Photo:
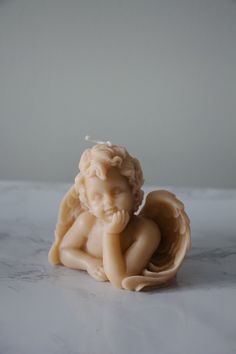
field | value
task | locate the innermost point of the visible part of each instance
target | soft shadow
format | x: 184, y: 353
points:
x: 206, y: 267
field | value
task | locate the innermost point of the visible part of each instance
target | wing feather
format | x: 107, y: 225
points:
x: 168, y: 213
x: 69, y: 210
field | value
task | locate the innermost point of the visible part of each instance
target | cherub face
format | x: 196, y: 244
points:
x: 106, y: 197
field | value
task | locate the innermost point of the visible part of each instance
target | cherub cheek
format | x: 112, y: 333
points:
x: 123, y: 200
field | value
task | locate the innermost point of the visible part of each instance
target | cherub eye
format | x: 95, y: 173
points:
x: 116, y: 191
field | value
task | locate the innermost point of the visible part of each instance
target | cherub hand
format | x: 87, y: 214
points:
x: 118, y: 222
x: 95, y: 269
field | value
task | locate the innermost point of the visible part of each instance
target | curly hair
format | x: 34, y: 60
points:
x: 97, y: 161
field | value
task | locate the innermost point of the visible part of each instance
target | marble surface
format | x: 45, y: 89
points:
x: 47, y: 309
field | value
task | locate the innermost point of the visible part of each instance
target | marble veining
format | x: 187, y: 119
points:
x: 59, y: 310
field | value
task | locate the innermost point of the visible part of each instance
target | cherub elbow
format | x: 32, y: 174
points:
x: 116, y: 280
x: 64, y: 254
x: 117, y: 284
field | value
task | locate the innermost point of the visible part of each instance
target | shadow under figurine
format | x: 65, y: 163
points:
x: 98, y: 230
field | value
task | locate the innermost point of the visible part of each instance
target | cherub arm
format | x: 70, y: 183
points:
x: 139, y: 253
x: 118, y: 266
x: 71, y: 253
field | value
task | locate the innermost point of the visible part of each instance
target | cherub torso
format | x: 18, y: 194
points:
x: 93, y: 246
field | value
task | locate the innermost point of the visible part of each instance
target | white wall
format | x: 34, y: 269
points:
x: 158, y: 77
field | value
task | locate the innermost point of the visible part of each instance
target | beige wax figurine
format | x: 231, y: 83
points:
x: 98, y: 230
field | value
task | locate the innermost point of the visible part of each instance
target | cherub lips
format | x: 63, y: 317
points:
x: 110, y: 211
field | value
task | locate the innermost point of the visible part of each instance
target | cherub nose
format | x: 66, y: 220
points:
x: 108, y: 201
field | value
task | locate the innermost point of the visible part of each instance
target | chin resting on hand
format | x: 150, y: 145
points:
x: 118, y: 222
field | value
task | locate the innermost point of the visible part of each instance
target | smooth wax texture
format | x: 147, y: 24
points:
x: 47, y: 309
x: 100, y: 231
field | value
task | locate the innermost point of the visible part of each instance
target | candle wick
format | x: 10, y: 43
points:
x: 88, y: 138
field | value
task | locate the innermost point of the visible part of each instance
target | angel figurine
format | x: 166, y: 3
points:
x: 100, y: 231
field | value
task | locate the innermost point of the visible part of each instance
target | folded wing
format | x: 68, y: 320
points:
x: 69, y: 210
x: 168, y: 213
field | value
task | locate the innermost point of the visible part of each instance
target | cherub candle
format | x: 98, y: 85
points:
x: 100, y: 231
